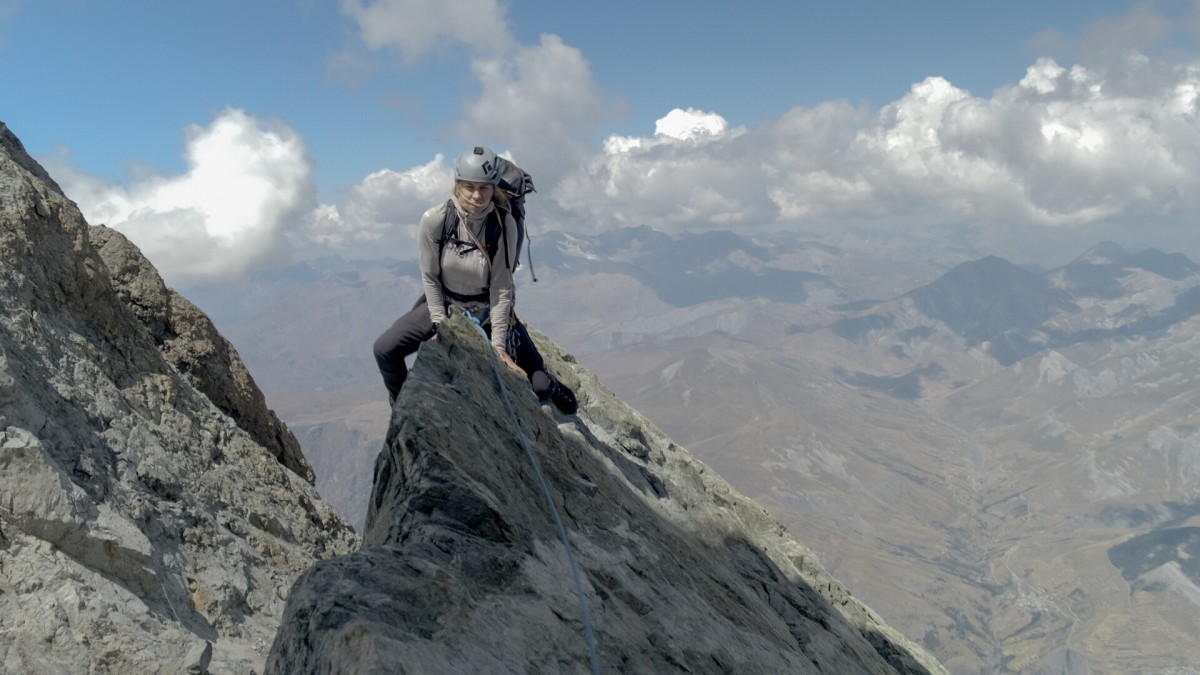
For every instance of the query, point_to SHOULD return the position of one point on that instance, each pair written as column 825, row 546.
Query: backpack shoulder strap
column 449, row 224
column 495, row 232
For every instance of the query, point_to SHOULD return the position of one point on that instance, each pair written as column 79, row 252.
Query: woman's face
column 474, row 197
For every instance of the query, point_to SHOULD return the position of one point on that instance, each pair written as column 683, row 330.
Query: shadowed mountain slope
column 985, row 298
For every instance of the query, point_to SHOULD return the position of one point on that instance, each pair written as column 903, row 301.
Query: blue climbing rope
column 562, row 531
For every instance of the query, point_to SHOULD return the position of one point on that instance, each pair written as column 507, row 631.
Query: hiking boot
column 563, row 398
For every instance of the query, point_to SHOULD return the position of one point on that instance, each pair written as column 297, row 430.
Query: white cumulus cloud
column 247, row 182
column 690, row 123
column 694, row 169
column 1063, row 147
column 414, row 28
column 380, row 214
column 540, row 102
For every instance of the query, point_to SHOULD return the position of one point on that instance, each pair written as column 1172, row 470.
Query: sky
column 224, row 136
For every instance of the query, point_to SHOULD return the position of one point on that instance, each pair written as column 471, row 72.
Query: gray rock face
column 142, row 527
column 188, row 339
column 462, row 569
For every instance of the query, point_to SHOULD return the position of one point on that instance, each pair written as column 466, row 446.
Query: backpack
column 516, row 183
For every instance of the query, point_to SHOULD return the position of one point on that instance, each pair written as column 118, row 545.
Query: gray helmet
column 477, row 165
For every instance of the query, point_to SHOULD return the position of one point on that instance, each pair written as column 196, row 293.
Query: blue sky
column 248, row 132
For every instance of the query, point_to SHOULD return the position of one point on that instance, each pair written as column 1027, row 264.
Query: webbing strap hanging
column 562, row 531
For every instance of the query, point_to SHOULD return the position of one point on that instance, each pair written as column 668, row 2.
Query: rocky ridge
column 462, row 568
column 191, row 343
column 153, row 512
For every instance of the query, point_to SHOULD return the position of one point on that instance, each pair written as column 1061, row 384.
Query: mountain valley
column 1003, row 460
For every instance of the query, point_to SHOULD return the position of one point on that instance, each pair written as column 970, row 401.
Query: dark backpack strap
column 492, row 233
column 495, row 232
column 449, row 224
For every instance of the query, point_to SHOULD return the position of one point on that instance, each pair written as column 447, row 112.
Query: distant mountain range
column 1003, row 460
column 1012, row 314
column 682, row 271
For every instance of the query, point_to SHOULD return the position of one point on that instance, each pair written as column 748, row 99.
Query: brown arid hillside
column 1026, row 474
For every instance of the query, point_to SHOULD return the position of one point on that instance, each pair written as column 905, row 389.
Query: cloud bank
column 1113, row 139
column 1063, row 147
column 414, row 28
column 1068, row 146
column 248, row 181
column 381, row 213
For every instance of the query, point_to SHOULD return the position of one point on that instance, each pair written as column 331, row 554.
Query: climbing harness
column 562, row 531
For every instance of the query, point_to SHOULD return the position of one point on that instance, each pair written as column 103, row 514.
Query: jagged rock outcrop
column 190, row 341
column 462, row 569
column 142, row 529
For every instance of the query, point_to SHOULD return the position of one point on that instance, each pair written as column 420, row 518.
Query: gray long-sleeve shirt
column 472, row 273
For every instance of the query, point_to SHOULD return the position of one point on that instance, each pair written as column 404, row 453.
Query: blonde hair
column 499, row 197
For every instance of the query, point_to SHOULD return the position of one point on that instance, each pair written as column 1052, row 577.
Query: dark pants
column 409, row 331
